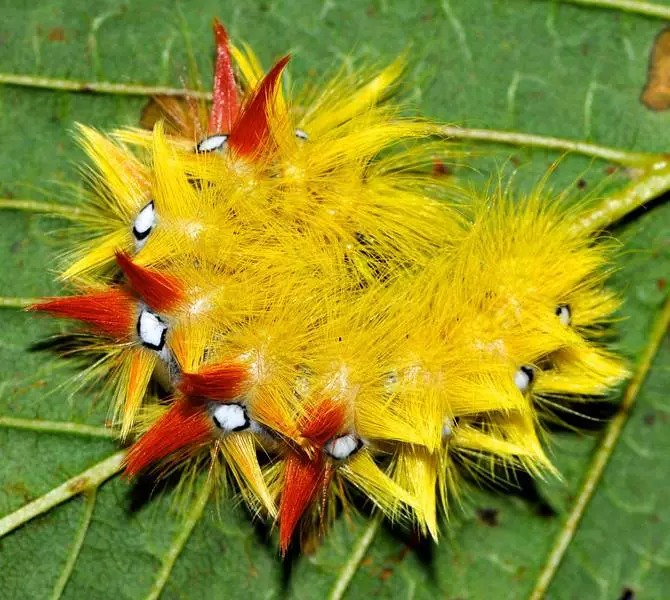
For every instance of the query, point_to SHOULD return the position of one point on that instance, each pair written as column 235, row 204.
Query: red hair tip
column 185, row 425
column 282, row 62
column 323, row 422
column 36, row 307
column 111, row 312
column 302, row 477
column 122, row 255
column 123, row 260
column 217, row 382
column 225, row 102
column 220, row 33
column 130, row 470
column 250, row 134
column 160, row 292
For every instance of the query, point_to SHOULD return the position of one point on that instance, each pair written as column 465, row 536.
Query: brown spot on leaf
column 611, row 170
column 649, row 419
column 56, row 34
column 627, row 594
column 386, row 570
column 581, row 183
column 19, row 489
column 661, row 283
column 440, row 169
column 78, row 485
column 398, row 558
column 488, row 516
column 656, row 92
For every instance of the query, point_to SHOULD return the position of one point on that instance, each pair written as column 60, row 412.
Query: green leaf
column 530, row 66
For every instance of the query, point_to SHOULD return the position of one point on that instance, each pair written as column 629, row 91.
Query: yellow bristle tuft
column 134, row 372
column 415, row 469
column 240, row 454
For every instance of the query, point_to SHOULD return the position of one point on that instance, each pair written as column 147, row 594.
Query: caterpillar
column 281, row 293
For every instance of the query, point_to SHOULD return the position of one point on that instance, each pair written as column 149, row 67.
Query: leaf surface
column 525, row 65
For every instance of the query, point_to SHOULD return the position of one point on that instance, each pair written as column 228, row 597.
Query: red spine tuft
column 249, row 135
column 303, row 478
column 162, row 293
column 225, row 104
column 323, row 422
column 111, row 312
column 224, row 381
column 185, row 424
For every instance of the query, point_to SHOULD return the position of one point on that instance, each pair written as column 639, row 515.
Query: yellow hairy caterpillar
column 323, row 316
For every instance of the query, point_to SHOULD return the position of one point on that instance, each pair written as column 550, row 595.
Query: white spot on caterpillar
column 213, row 143
column 151, row 330
column 143, row 225
column 230, row 417
column 523, row 378
column 563, row 313
column 447, row 428
column 343, row 447
column 301, row 134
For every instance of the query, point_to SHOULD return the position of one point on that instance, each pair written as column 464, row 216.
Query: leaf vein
column 602, row 456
